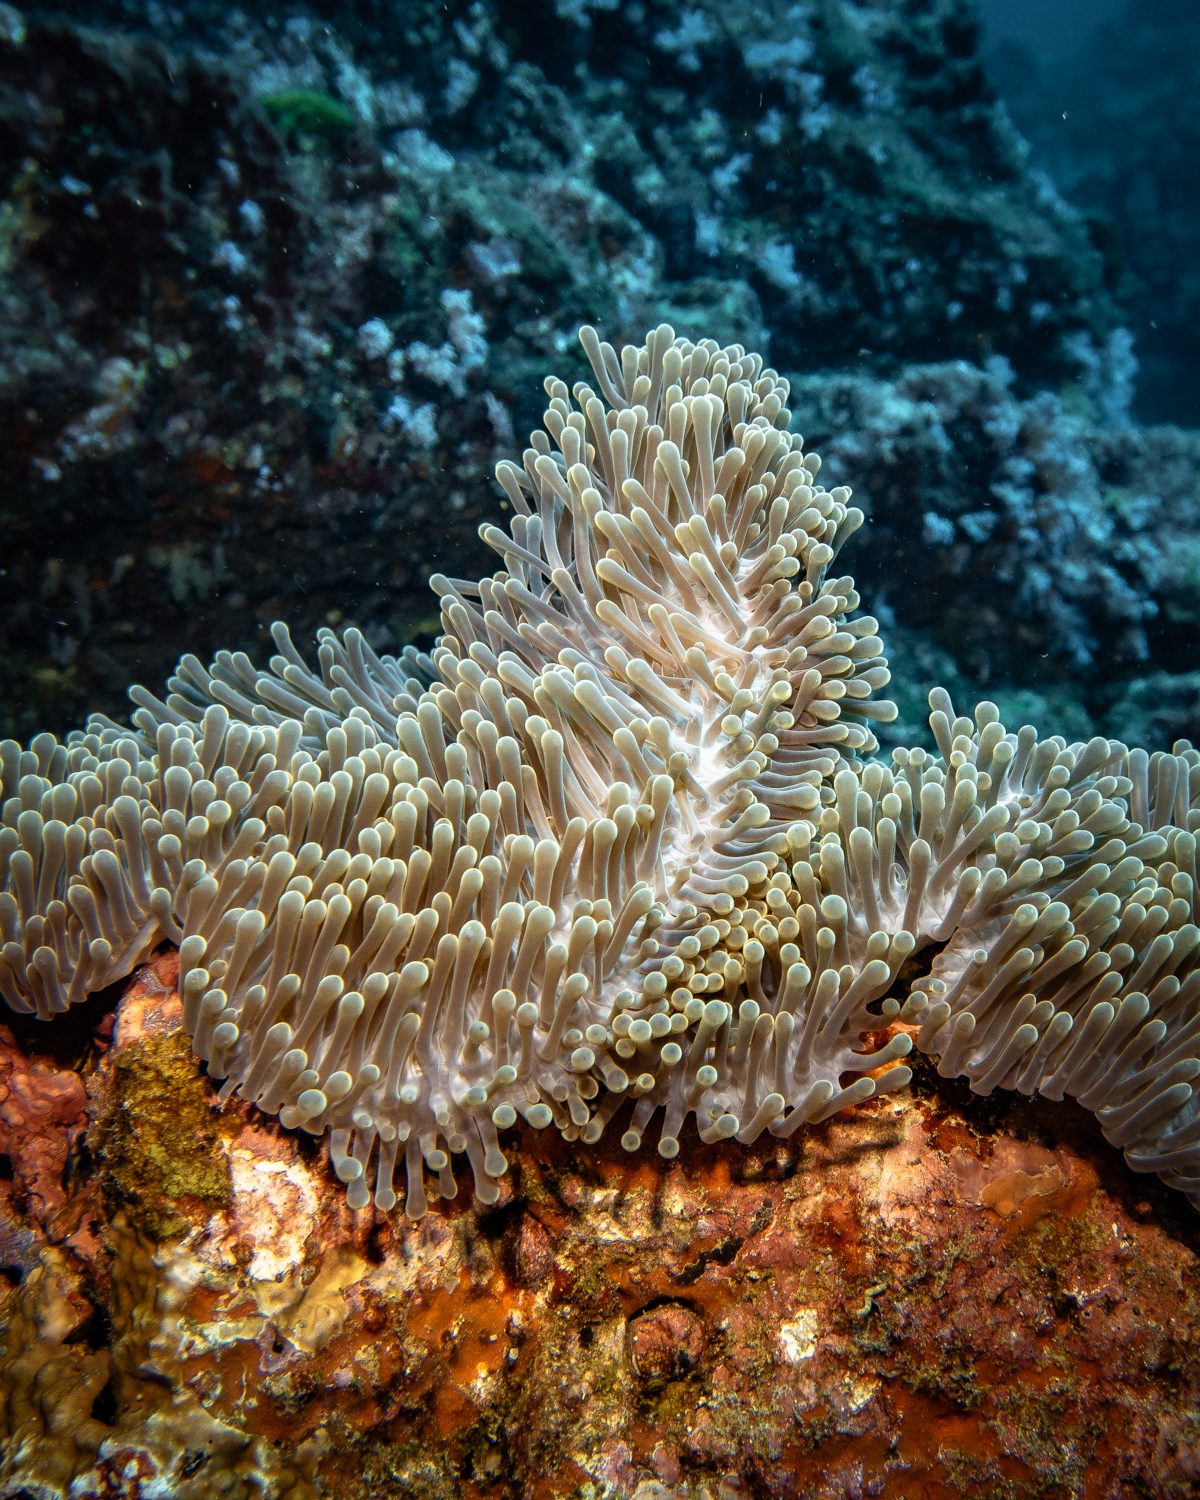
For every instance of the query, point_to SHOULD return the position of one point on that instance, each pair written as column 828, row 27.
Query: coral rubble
column 619, row 839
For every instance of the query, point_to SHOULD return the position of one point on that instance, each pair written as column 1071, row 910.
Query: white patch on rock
column 798, row 1336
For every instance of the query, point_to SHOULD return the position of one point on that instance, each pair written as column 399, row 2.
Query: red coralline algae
column 42, row 1110
column 931, row 1296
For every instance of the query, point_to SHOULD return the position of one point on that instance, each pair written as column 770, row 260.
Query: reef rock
column 930, row 1295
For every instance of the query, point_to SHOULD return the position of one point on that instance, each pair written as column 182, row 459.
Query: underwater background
column 279, row 285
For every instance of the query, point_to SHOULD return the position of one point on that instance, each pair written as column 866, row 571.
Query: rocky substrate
column 930, row 1295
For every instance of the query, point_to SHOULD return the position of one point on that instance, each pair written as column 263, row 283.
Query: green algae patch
column 159, row 1142
column 308, row 112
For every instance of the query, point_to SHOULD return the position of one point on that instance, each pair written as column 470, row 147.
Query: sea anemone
column 619, row 837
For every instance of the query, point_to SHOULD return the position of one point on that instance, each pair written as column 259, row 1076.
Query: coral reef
column 621, row 842
column 1057, row 552
column 202, row 438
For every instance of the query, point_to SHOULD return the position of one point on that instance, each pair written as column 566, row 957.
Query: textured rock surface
column 42, row 1112
column 100, row 1381
column 933, row 1295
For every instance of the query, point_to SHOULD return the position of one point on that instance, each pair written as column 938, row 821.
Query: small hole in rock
column 193, row 1459
column 96, row 1332
column 104, row 1407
